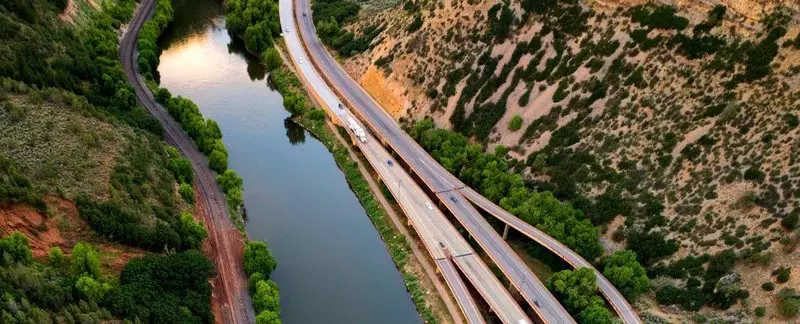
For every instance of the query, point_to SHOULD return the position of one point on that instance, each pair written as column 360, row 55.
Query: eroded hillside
column 668, row 119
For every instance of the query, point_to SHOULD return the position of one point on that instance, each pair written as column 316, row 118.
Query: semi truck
column 357, row 130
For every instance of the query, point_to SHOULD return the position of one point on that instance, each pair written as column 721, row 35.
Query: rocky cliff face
column 688, row 107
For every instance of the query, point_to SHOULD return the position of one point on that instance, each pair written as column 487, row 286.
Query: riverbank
column 434, row 304
column 231, row 298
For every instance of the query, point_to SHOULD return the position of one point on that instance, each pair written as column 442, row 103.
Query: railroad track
column 237, row 308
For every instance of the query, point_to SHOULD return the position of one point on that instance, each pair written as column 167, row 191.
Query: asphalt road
column 447, row 186
column 236, row 307
column 441, row 239
column 434, row 175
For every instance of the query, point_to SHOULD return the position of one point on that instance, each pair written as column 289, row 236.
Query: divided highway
column 236, row 307
column 443, row 242
column 452, row 193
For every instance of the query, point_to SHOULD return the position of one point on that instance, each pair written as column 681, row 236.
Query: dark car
column 389, row 162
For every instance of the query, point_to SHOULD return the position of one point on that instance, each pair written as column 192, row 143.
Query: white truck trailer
column 356, row 128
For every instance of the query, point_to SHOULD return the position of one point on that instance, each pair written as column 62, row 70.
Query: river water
column 332, row 265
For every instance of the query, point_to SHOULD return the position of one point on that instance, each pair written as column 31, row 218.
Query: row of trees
column 208, row 137
column 258, row 265
column 489, row 174
column 147, row 43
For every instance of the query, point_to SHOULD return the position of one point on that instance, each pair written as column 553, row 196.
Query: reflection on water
column 295, row 132
column 332, row 265
column 255, row 69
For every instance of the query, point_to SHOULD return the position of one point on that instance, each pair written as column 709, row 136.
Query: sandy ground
column 388, row 94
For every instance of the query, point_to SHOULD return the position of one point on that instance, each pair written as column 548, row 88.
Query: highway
column 236, row 307
column 436, row 177
column 443, row 242
column 451, row 191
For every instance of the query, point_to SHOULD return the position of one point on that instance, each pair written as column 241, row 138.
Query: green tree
column 596, row 314
column 272, row 59
column 56, row 258
column 268, row 317
column 266, row 297
column 257, row 258
column 576, row 289
column 218, row 161
column 192, row 232
column 181, row 168
column 85, row 260
column 626, row 273
column 15, row 248
column 789, row 307
column 187, row 192
column 91, row 288
column 254, row 279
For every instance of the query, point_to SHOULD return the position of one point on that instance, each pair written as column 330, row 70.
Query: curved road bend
column 439, row 180
column 236, row 306
column 433, row 174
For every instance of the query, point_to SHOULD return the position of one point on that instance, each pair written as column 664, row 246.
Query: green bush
column 187, row 192
column 768, row 286
column 415, row 24
column 625, row 272
column 782, row 274
column 165, row 289
column 257, row 258
column 515, row 123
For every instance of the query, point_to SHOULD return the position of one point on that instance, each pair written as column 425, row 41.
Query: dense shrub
column 650, row 246
column 622, row 269
column 16, row 188
column 254, row 20
column 577, row 291
column 165, row 289
column 660, row 17
column 115, row 222
column 258, row 259
column 515, row 123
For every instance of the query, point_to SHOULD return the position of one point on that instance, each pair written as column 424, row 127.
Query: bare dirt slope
column 687, row 117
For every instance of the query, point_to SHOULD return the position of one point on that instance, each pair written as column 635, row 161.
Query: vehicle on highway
column 353, row 125
column 304, row 13
column 299, row 61
column 389, row 162
column 341, row 106
column 427, row 204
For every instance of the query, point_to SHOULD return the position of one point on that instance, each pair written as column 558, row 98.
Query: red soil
column 62, row 228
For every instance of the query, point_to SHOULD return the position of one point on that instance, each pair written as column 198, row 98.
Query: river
column 332, row 265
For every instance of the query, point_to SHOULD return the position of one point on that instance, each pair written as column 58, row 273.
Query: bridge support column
column 505, row 232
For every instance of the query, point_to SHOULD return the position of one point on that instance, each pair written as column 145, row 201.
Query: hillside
column 673, row 125
column 91, row 199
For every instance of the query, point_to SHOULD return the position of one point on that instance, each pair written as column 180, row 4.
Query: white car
column 427, row 204
column 286, row 29
column 300, row 61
